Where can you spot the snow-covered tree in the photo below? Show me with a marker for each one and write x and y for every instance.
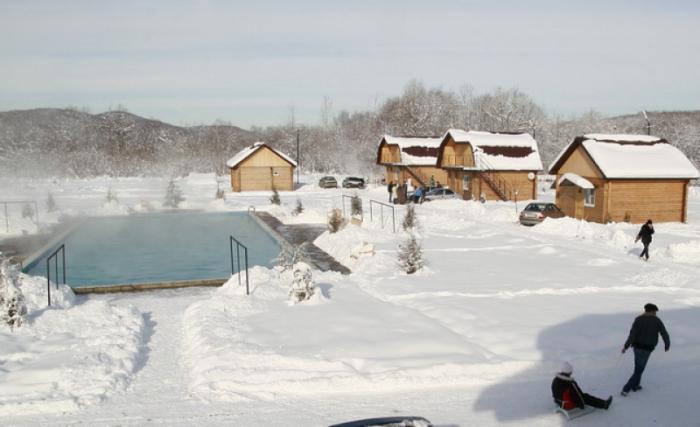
(335, 220)
(410, 221)
(291, 254)
(299, 208)
(302, 287)
(12, 307)
(275, 198)
(410, 255)
(173, 195)
(356, 206)
(111, 196)
(27, 211)
(51, 203)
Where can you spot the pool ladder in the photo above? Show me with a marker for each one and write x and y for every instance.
(54, 255)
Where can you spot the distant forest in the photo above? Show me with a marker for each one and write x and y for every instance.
(71, 142)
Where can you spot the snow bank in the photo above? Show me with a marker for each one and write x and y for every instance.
(686, 252)
(260, 345)
(66, 356)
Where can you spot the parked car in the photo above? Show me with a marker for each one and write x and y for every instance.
(439, 194)
(353, 182)
(388, 422)
(328, 182)
(535, 213)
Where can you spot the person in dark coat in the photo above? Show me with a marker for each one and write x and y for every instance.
(390, 189)
(568, 395)
(643, 338)
(645, 235)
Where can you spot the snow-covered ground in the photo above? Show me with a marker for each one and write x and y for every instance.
(473, 339)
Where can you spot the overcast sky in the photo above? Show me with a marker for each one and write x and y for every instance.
(195, 62)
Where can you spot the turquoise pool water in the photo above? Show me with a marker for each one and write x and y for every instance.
(158, 248)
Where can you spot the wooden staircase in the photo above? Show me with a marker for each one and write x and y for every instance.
(414, 173)
(498, 185)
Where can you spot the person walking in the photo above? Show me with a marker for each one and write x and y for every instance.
(568, 395)
(643, 337)
(645, 235)
(418, 195)
(390, 189)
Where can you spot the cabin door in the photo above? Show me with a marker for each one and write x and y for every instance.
(570, 200)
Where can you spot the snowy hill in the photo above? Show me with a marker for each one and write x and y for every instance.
(66, 141)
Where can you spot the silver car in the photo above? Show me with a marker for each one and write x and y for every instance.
(439, 194)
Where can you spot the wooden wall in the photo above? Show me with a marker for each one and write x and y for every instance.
(263, 171)
(639, 200)
(389, 154)
(454, 154)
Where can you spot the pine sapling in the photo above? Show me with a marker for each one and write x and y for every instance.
(410, 255)
(219, 193)
(356, 206)
(12, 307)
(335, 220)
(275, 198)
(291, 254)
(111, 196)
(51, 203)
(299, 208)
(302, 287)
(173, 195)
(410, 221)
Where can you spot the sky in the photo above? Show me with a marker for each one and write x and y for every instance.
(257, 64)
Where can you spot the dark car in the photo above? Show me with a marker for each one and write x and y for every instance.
(535, 213)
(388, 422)
(439, 194)
(353, 182)
(328, 182)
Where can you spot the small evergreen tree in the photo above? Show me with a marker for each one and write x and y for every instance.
(12, 307)
(111, 196)
(299, 208)
(173, 195)
(302, 287)
(219, 192)
(51, 203)
(410, 255)
(356, 206)
(275, 198)
(335, 221)
(291, 254)
(27, 211)
(410, 221)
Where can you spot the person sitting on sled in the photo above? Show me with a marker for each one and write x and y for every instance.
(568, 395)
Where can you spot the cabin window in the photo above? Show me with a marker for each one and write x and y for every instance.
(589, 197)
(466, 180)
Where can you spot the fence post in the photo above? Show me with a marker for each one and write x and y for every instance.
(247, 286)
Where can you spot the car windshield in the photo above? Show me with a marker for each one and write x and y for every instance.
(536, 207)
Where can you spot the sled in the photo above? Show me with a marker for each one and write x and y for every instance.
(575, 413)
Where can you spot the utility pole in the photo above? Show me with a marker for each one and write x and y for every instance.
(648, 122)
(298, 158)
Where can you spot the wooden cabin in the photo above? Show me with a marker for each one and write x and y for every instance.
(632, 178)
(490, 166)
(261, 168)
(410, 158)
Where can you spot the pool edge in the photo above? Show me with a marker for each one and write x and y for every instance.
(139, 287)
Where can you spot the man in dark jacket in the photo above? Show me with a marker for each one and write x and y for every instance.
(568, 395)
(645, 235)
(643, 338)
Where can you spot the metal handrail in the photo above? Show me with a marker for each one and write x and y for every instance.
(251, 208)
(54, 256)
(240, 245)
(20, 202)
(381, 210)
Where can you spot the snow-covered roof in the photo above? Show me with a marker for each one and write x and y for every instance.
(246, 152)
(415, 151)
(500, 151)
(632, 156)
(576, 180)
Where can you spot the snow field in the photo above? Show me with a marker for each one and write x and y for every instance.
(67, 356)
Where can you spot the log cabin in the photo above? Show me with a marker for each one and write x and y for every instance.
(614, 178)
(259, 167)
(411, 158)
(490, 166)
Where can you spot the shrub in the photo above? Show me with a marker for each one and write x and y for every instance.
(111, 196)
(290, 255)
(410, 221)
(173, 195)
(219, 193)
(356, 206)
(12, 307)
(302, 287)
(299, 208)
(410, 255)
(51, 203)
(335, 221)
(275, 198)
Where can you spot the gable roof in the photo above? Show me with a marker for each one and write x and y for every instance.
(630, 156)
(414, 151)
(248, 151)
(499, 151)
